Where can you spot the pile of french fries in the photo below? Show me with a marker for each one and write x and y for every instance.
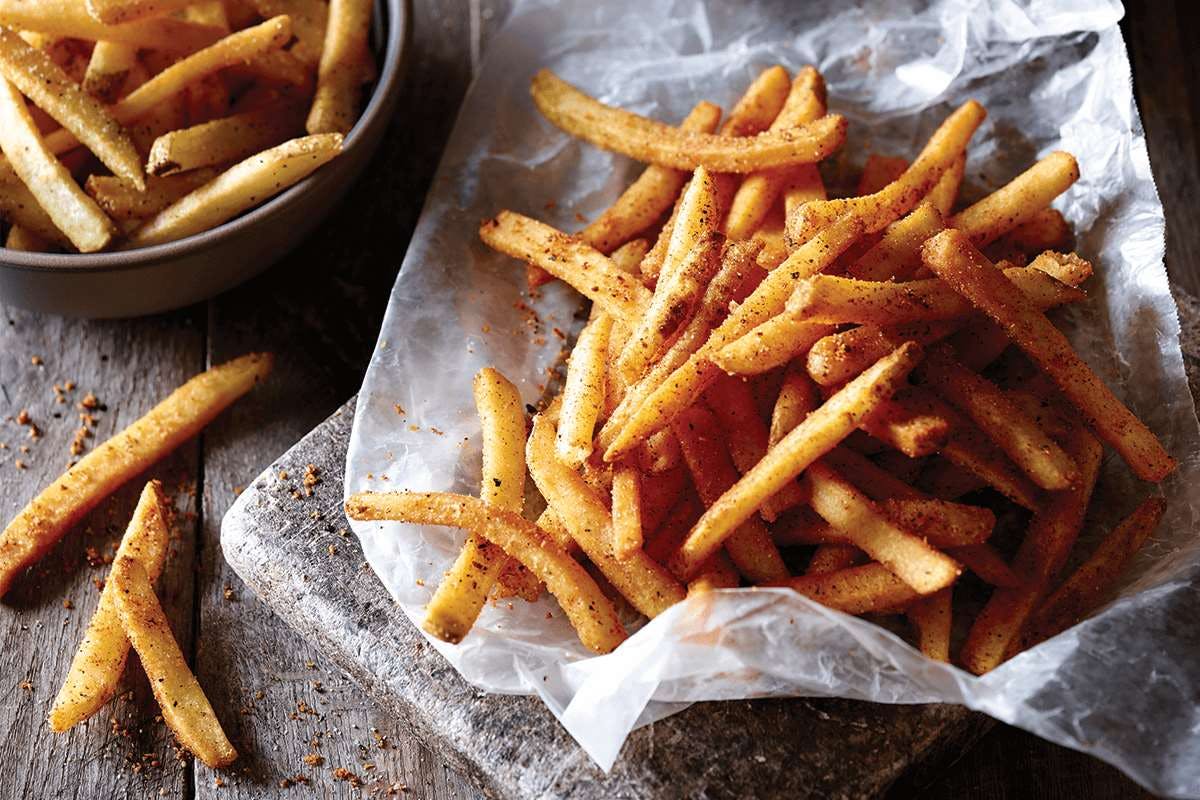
(778, 388)
(128, 612)
(129, 123)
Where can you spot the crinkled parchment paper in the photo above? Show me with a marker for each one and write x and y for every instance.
(1125, 685)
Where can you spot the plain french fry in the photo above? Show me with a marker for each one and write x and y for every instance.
(932, 617)
(759, 190)
(1043, 552)
(239, 188)
(583, 393)
(1019, 201)
(897, 254)
(1085, 589)
(798, 397)
(72, 211)
(877, 211)
(342, 69)
(460, 596)
(81, 488)
(833, 558)
(879, 171)
(100, 659)
(626, 511)
(818, 434)
(110, 64)
(122, 202)
(707, 455)
(223, 141)
(309, 20)
(184, 706)
(913, 560)
(953, 258)
(647, 585)
(69, 18)
(653, 142)
(944, 193)
(571, 260)
(589, 611)
(855, 590)
(986, 563)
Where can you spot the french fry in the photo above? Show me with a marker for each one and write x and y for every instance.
(953, 258)
(932, 617)
(897, 254)
(72, 211)
(759, 190)
(109, 67)
(661, 494)
(834, 557)
(759, 105)
(910, 423)
(717, 573)
(944, 193)
(659, 453)
(460, 596)
(69, 18)
(943, 523)
(818, 434)
(855, 590)
(1046, 230)
(1043, 552)
(122, 202)
(343, 68)
(913, 560)
(184, 706)
(770, 344)
(1018, 201)
(879, 171)
(239, 188)
(626, 511)
(653, 142)
(25, 240)
(667, 537)
(946, 480)
(877, 211)
(81, 488)
(100, 659)
(986, 563)
(309, 20)
(647, 585)
(749, 546)
(20, 209)
(566, 257)
(834, 359)
(588, 610)
(798, 397)
(1085, 589)
(583, 393)
(115, 12)
(223, 141)
(773, 239)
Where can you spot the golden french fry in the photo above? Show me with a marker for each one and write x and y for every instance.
(72, 211)
(25, 240)
(749, 546)
(309, 20)
(829, 558)
(77, 491)
(946, 480)
(626, 511)
(115, 12)
(986, 563)
(877, 211)
(879, 171)
(1048, 229)
(70, 18)
(653, 142)
(589, 611)
(855, 590)
(342, 69)
(20, 209)
(1085, 589)
(838, 357)
(931, 617)
(661, 494)
(1043, 552)
(184, 706)
(224, 140)
(237, 189)
(110, 65)
(659, 453)
(759, 105)
(944, 193)
(100, 659)
(897, 254)
(798, 397)
(583, 393)
(910, 423)
(647, 585)
(953, 258)
(1019, 201)
(674, 528)
(770, 344)
(571, 260)
(717, 573)
(820, 432)
(122, 202)
(460, 596)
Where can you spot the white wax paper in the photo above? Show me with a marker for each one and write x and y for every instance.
(1124, 685)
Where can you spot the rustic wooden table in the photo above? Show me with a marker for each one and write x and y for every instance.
(303, 729)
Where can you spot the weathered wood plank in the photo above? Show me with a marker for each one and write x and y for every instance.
(129, 366)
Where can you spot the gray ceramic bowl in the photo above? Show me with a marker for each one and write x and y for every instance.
(167, 276)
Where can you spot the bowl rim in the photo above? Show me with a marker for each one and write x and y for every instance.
(397, 25)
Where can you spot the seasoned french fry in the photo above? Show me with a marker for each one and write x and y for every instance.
(626, 511)
(879, 171)
(662, 493)
(653, 142)
(855, 590)
(70, 18)
(98, 663)
(674, 529)
(589, 271)
(1043, 552)
(343, 68)
(224, 140)
(589, 611)
(897, 254)
(110, 65)
(460, 596)
(838, 357)
(1019, 201)
(866, 526)
(647, 585)
(931, 617)
(77, 491)
(583, 393)
(240, 187)
(818, 434)
(1048, 229)
(20, 209)
(910, 423)
(309, 20)
(877, 211)
(798, 397)
(759, 105)
(946, 480)
(25, 240)
(72, 211)
(953, 258)
(184, 706)
(833, 558)
(944, 193)
(115, 12)
(659, 453)
(1085, 589)
(986, 563)
(717, 573)
(122, 202)
(770, 344)
(749, 546)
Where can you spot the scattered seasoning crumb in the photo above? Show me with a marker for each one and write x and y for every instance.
(237, 490)
(68, 604)
(79, 443)
(36, 361)
(283, 475)
(314, 759)
(343, 774)
(332, 549)
(24, 448)
(260, 694)
(19, 464)
(69, 386)
(420, 582)
(310, 664)
(414, 428)
(89, 402)
(400, 409)
(486, 329)
(438, 431)
(218, 782)
(26, 685)
(311, 478)
(228, 592)
(23, 417)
